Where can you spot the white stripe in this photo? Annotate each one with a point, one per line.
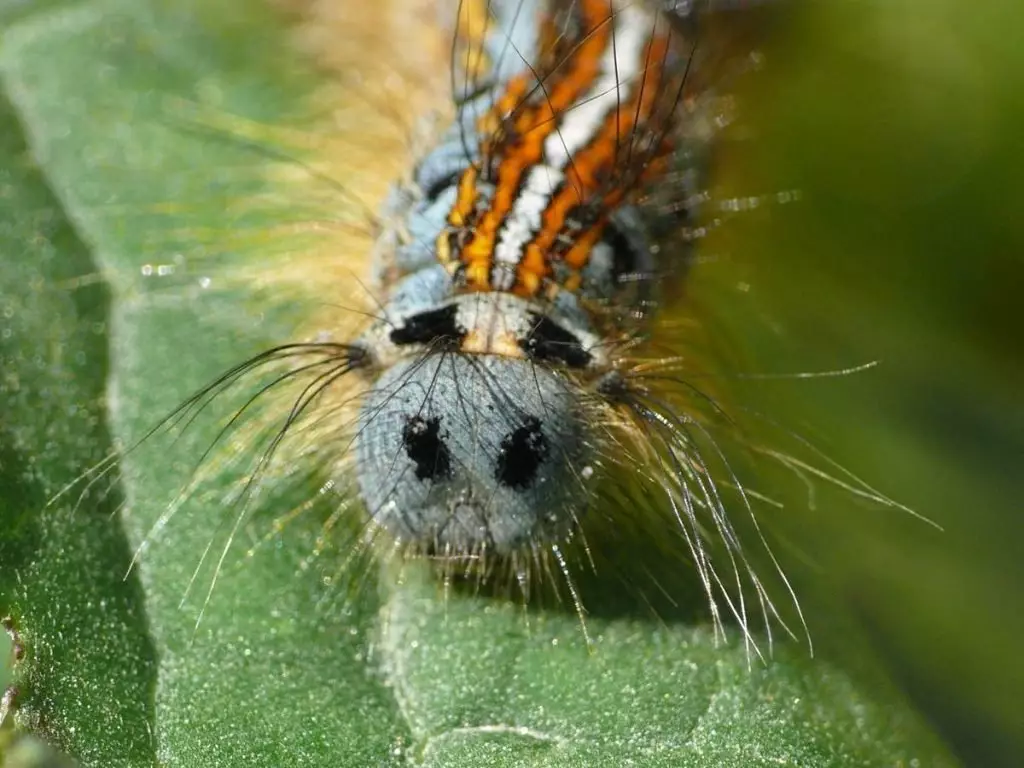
(583, 120)
(579, 124)
(524, 220)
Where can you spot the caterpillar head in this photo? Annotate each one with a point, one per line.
(471, 453)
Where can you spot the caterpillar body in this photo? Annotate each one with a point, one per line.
(516, 385)
(508, 402)
(526, 255)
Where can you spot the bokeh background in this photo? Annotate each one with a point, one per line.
(898, 125)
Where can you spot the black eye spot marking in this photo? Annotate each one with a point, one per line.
(430, 326)
(520, 454)
(439, 185)
(425, 445)
(625, 259)
(549, 341)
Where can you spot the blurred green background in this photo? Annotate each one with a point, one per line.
(899, 123)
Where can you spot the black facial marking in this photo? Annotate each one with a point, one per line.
(521, 453)
(425, 445)
(549, 341)
(430, 326)
(625, 259)
(439, 185)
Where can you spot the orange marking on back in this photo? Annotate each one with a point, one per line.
(590, 169)
(465, 200)
(492, 121)
(458, 218)
(524, 146)
(579, 253)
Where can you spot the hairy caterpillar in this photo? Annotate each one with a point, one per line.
(517, 385)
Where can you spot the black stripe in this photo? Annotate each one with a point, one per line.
(429, 327)
(550, 342)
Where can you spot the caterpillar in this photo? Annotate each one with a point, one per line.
(517, 387)
(496, 340)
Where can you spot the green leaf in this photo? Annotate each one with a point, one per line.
(266, 679)
(63, 570)
(286, 667)
(479, 688)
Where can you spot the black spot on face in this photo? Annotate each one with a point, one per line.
(520, 455)
(425, 446)
(435, 325)
(550, 342)
(439, 185)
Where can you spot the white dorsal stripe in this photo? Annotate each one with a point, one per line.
(579, 124)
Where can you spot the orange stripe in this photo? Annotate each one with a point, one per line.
(589, 169)
(531, 126)
(458, 219)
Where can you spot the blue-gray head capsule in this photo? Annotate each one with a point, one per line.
(469, 453)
